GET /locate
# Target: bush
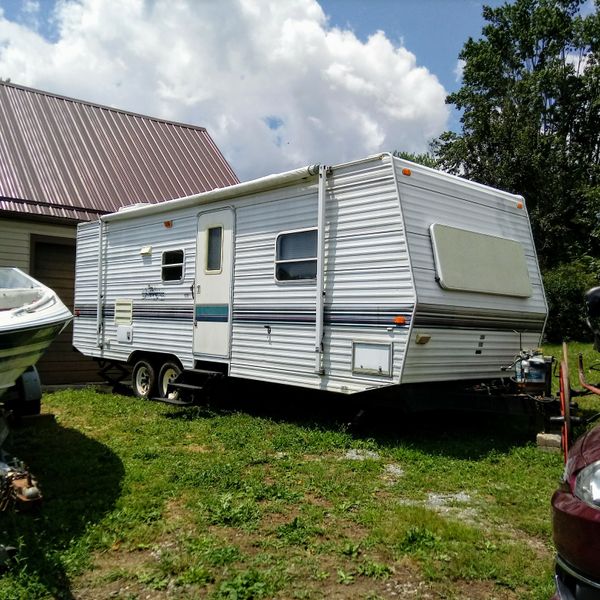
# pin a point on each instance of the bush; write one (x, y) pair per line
(565, 289)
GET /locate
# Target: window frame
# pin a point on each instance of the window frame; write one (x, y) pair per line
(171, 265)
(218, 271)
(277, 262)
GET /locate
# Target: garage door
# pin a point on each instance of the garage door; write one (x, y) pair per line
(53, 263)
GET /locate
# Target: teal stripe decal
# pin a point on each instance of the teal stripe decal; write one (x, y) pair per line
(213, 313)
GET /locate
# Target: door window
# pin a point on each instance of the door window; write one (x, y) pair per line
(214, 250)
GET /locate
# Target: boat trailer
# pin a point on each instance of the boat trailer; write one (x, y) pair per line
(19, 488)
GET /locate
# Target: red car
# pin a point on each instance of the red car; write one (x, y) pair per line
(576, 522)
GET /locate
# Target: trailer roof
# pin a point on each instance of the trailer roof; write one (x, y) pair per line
(239, 189)
(66, 158)
(287, 178)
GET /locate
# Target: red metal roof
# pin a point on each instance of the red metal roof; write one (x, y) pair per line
(61, 157)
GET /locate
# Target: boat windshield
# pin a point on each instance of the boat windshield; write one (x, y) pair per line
(13, 278)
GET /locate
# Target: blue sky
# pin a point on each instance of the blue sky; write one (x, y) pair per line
(434, 30)
(277, 84)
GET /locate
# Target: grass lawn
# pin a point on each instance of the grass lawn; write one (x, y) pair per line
(278, 500)
(588, 405)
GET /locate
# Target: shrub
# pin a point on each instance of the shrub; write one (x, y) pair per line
(565, 289)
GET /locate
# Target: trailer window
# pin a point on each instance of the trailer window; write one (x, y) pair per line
(172, 265)
(296, 255)
(214, 250)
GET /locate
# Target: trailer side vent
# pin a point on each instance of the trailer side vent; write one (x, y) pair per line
(123, 311)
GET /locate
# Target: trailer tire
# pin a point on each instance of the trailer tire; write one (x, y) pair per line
(143, 379)
(168, 372)
(24, 398)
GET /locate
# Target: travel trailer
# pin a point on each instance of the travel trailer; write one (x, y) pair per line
(368, 274)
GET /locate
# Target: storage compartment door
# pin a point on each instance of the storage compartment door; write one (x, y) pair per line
(468, 261)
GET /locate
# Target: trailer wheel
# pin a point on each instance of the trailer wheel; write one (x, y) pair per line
(143, 379)
(168, 372)
(25, 397)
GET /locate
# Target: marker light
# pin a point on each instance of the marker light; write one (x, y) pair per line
(406, 172)
(400, 320)
(168, 224)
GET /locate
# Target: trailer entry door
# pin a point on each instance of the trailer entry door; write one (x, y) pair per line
(212, 286)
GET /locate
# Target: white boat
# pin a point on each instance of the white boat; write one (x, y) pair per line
(31, 316)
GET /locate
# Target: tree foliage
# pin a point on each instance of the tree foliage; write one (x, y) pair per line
(565, 287)
(530, 102)
(425, 159)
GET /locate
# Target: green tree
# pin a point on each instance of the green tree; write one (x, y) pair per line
(425, 159)
(530, 102)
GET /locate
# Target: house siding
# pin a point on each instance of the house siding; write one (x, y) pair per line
(54, 266)
(15, 240)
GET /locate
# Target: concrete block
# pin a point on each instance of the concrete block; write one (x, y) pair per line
(550, 442)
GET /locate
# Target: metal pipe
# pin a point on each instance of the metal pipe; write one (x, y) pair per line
(320, 292)
(582, 380)
(99, 308)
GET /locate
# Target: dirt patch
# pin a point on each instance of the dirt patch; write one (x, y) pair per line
(197, 448)
(318, 501)
(133, 590)
(319, 457)
(457, 506)
(540, 547)
(113, 576)
(392, 473)
(341, 579)
(248, 543)
(175, 510)
(271, 520)
(481, 590)
(360, 455)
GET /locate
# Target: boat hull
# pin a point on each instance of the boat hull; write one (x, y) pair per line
(31, 316)
(22, 348)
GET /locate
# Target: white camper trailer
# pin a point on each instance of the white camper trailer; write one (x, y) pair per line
(373, 273)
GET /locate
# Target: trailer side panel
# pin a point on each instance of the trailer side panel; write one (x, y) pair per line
(472, 334)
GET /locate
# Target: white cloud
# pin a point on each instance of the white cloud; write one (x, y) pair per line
(579, 62)
(459, 70)
(275, 86)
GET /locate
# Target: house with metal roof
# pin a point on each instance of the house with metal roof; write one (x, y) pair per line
(63, 161)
